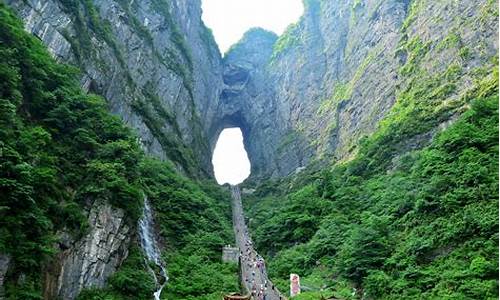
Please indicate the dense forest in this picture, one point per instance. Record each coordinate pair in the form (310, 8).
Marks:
(61, 151)
(417, 225)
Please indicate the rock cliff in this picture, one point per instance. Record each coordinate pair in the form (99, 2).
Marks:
(332, 76)
(154, 61)
(89, 261)
(309, 95)
(160, 70)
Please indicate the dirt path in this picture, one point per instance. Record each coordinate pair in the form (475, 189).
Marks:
(253, 268)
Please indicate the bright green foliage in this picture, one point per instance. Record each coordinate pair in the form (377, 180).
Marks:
(194, 220)
(194, 223)
(183, 208)
(61, 151)
(343, 91)
(288, 39)
(195, 276)
(421, 225)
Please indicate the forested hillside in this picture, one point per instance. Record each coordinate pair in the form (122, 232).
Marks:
(411, 212)
(61, 153)
(422, 224)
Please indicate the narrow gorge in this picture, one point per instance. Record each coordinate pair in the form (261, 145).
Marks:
(371, 127)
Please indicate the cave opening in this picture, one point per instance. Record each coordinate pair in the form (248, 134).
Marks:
(230, 159)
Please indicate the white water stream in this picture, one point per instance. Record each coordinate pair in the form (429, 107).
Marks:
(150, 246)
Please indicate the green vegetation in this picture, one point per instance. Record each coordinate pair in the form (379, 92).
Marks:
(343, 91)
(61, 151)
(426, 227)
(391, 223)
(395, 222)
(87, 20)
(90, 24)
(452, 40)
(180, 62)
(155, 115)
(415, 8)
(287, 140)
(285, 41)
(254, 32)
(193, 220)
(416, 50)
(355, 5)
(132, 281)
(291, 37)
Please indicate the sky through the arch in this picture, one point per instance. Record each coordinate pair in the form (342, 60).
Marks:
(230, 160)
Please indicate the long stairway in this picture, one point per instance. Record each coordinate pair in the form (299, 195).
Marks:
(253, 269)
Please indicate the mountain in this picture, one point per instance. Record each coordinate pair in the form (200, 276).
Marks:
(75, 180)
(371, 127)
(333, 76)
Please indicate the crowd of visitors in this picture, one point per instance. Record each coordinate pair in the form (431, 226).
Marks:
(252, 264)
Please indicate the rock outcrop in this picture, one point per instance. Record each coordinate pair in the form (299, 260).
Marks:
(154, 61)
(331, 78)
(247, 101)
(89, 261)
(4, 267)
(308, 95)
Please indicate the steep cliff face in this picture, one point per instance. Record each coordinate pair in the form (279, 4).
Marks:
(89, 261)
(309, 95)
(247, 100)
(331, 78)
(154, 61)
(159, 69)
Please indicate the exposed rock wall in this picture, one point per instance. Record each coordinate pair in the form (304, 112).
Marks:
(89, 261)
(4, 267)
(247, 100)
(309, 95)
(331, 78)
(160, 71)
(154, 61)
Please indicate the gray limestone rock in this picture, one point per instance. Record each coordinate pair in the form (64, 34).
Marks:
(4, 267)
(154, 61)
(89, 261)
(333, 76)
(310, 94)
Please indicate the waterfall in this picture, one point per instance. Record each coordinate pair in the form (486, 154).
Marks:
(150, 247)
